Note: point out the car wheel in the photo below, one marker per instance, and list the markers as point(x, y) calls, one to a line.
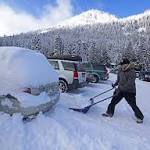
point(95, 79)
point(63, 86)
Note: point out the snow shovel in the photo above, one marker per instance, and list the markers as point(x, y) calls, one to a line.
point(86, 109)
point(92, 98)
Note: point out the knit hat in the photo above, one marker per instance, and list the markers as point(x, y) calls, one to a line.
point(125, 61)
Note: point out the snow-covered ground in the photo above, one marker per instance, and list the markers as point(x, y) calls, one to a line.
point(64, 129)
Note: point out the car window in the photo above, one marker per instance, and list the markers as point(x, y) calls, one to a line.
point(81, 67)
point(54, 64)
point(86, 66)
point(98, 67)
point(69, 66)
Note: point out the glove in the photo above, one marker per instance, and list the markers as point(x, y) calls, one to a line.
point(113, 85)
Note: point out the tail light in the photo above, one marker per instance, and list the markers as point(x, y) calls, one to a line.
point(75, 75)
point(106, 69)
point(27, 90)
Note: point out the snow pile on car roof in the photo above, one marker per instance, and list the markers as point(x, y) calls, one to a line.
point(20, 67)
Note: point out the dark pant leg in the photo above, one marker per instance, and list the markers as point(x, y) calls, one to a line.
point(131, 99)
point(115, 100)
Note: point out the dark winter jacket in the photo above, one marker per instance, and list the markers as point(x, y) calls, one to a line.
point(126, 79)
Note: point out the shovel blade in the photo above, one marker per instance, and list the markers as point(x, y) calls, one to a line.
point(83, 110)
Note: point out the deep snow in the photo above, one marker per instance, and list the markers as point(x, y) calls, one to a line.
point(64, 129)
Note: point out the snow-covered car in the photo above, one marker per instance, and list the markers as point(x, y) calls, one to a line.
point(28, 83)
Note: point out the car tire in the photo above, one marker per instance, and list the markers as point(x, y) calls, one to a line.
point(63, 86)
point(95, 79)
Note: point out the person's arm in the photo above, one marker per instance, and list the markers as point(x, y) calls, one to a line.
point(117, 81)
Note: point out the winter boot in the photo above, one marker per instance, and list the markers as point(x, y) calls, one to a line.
point(107, 115)
point(138, 120)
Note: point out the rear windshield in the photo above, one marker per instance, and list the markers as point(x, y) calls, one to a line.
point(99, 67)
point(69, 66)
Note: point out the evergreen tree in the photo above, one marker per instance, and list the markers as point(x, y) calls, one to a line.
point(129, 52)
point(142, 50)
point(84, 53)
point(106, 59)
point(93, 53)
point(36, 44)
point(58, 46)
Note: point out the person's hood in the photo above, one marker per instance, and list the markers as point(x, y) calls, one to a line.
point(129, 67)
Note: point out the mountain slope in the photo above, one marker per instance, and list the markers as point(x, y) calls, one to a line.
point(90, 17)
point(87, 32)
point(136, 17)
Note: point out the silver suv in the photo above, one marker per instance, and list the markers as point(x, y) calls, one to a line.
point(70, 75)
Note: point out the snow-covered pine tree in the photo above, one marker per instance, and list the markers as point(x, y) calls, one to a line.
point(85, 52)
point(129, 52)
point(71, 49)
point(58, 46)
point(106, 59)
point(36, 43)
point(93, 58)
point(142, 50)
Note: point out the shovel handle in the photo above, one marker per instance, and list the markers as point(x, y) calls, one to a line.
point(102, 93)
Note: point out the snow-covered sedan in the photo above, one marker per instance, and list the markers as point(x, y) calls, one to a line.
point(28, 83)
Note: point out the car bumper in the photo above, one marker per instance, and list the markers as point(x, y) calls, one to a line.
point(74, 85)
point(82, 84)
point(20, 103)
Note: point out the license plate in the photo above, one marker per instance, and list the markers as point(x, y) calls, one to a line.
point(83, 75)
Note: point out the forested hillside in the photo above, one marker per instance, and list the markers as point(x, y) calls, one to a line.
point(95, 40)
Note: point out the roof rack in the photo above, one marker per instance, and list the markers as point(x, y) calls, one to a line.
point(66, 57)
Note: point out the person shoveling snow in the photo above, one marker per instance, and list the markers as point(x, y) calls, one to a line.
point(126, 89)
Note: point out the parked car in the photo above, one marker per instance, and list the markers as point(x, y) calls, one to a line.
point(144, 75)
point(71, 76)
point(97, 71)
point(89, 76)
point(28, 83)
point(114, 70)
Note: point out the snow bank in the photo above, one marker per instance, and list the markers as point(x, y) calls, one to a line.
point(20, 67)
point(68, 130)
